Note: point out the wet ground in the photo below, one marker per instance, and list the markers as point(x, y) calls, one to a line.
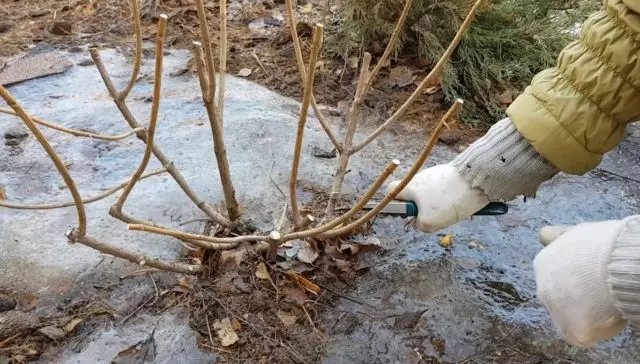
point(422, 304)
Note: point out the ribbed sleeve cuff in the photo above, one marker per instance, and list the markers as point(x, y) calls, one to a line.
point(503, 164)
point(624, 270)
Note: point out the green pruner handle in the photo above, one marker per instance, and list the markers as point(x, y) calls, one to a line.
point(492, 209)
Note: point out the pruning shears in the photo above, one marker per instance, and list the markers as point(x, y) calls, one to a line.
point(409, 208)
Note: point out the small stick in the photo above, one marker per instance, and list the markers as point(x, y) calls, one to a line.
point(199, 60)
point(68, 180)
point(223, 59)
point(74, 132)
point(433, 139)
point(208, 94)
point(390, 46)
point(274, 241)
point(135, 19)
point(215, 117)
point(353, 120)
point(308, 88)
point(155, 107)
point(426, 81)
point(85, 200)
point(227, 242)
point(303, 75)
point(375, 186)
point(138, 258)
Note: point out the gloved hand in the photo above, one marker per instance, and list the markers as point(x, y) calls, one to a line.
point(587, 277)
point(497, 167)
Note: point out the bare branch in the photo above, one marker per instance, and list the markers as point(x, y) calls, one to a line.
point(138, 258)
point(74, 132)
point(71, 185)
point(390, 46)
point(303, 75)
point(426, 81)
point(353, 120)
point(223, 60)
point(308, 89)
point(85, 200)
point(200, 68)
point(375, 186)
point(155, 107)
point(182, 235)
point(433, 139)
point(209, 93)
point(135, 20)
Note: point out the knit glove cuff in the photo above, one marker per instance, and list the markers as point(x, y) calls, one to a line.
point(624, 270)
point(503, 164)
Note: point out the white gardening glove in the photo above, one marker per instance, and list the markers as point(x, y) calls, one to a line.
point(583, 277)
point(442, 196)
point(497, 167)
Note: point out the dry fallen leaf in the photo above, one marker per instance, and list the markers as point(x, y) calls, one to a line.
point(225, 331)
point(52, 332)
point(349, 248)
point(506, 98)
point(307, 8)
point(185, 283)
point(141, 352)
point(236, 257)
point(286, 319)
point(261, 271)
point(236, 325)
point(446, 241)
point(28, 302)
point(295, 295)
point(305, 283)
point(475, 245)
point(401, 76)
point(3, 193)
point(69, 327)
point(245, 72)
point(85, 10)
point(306, 253)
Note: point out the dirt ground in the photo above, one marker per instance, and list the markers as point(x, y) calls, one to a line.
point(388, 295)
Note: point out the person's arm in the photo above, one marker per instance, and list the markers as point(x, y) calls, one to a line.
point(567, 118)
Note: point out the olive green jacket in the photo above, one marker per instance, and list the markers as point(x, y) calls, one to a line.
point(575, 112)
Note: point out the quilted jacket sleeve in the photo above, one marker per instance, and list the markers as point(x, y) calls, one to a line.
point(575, 112)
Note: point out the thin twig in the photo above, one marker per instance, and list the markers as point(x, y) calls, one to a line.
point(426, 81)
point(353, 121)
point(85, 200)
point(223, 60)
point(209, 93)
point(140, 259)
point(68, 180)
point(308, 88)
point(433, 139)
point(155, 107)
point(303, 75)
point(227, 243)
point(206, 318)
point(74, 132)
point(390, 46)
point(375, 186)
point(135, 19)
point(215, 117)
